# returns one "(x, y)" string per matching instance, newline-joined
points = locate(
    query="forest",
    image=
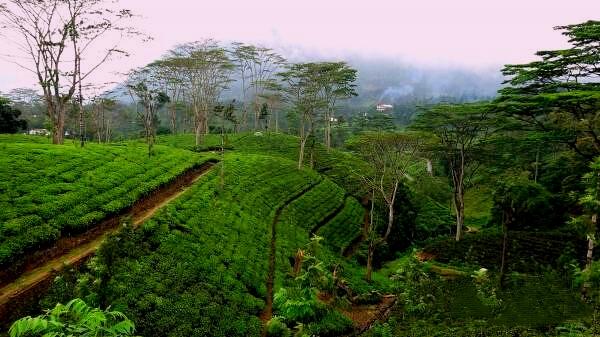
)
(226, 190)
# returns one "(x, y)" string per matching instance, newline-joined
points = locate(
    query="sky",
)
(472, 34)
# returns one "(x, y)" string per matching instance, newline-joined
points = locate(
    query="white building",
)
(38, 132)
(384, 107)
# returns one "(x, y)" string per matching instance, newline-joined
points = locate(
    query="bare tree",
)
(56, 36)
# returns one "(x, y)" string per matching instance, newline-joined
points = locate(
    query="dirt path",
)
(20, 291)
(268, 311)
(364, 316)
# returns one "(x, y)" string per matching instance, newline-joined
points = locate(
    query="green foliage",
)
(75, 318)
(345, 227)
(591, 277)
(203, 258)
(277, 328)
(467, 303)
(9, 118)
(550, 96)
(339, 166)
(527, 251)
(522, 204)
(486, 290)
(49, 191)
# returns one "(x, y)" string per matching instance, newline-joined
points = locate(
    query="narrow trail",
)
(365, 316)
(329, 216)
(268, 311)
(24, 289)
(355, 244)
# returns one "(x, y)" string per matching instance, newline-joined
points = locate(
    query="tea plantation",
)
(48, 191)
(203, 259)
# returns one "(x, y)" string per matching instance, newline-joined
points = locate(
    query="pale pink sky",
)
(465, 33)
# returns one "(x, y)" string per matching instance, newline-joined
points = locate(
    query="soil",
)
(25, 284)
(364, 316)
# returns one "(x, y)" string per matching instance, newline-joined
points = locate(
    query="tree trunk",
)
(58, 131)
(503, 261)
(590, 246)
(328, 131)
(429, 167)
(390, 221)
(303, 139)
(459, 208)
(368, 277)
(298, 259)
(199, 135)
(301, 153)
(173, 119)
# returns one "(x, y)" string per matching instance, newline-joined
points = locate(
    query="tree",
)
(31, 104)
(519, 203)
(9, 118)
(459, 129)
(337, 83)
(56, 36)
(258, 67)
(101, 120)
(391, 157)
(302, 83)
(207, 72)
(558, 94)
(226, 114)
(588, 222)
(143, 91)
(75, 318)
(170, 72)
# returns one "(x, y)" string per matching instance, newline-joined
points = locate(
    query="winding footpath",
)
(29, 284)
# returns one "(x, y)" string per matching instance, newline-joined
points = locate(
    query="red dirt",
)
(36, 274)
(424, 256)
(364, 316)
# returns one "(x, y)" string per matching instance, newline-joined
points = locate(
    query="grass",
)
(51, 191)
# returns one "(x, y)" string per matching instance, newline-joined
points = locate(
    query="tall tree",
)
(170, 72)
(459, 129)
(147, 95)
(258, 67)
(302, 83)
(391, 157)
(337, 83)
(207, 72)
(559, 94)
(101, 117)
(56, 36)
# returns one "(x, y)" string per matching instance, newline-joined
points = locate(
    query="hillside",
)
(218, 234)
(51, 192)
